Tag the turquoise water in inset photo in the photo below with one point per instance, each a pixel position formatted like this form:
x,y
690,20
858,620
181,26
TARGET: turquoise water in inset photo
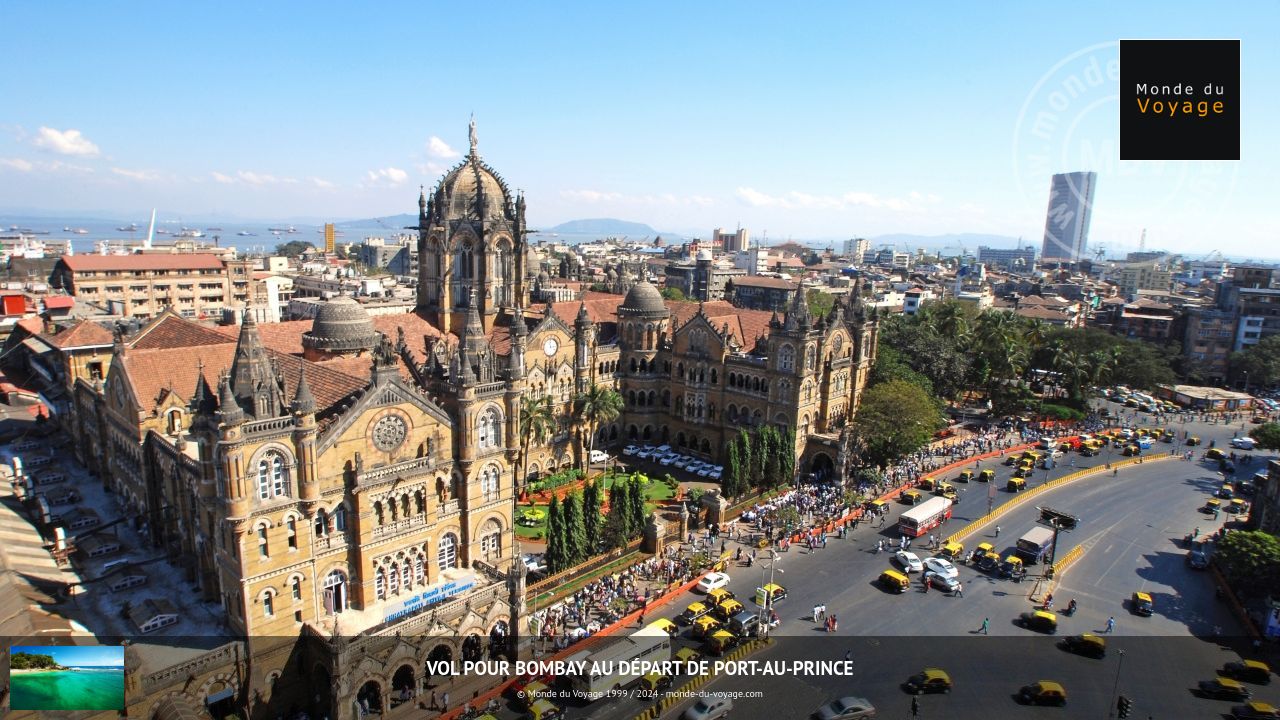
x,y
93,688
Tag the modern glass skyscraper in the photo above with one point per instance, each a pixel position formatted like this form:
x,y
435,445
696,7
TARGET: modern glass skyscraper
x,y
1066,226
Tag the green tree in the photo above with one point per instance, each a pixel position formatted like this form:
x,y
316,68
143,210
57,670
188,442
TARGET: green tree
x,y
1250,561
820,303
1267,435
635,508
537,423
746,456
773,456
617,525
1258,363
598,405
575,529
557,557
787,457
889,365
731,478
673,293
293,248
591,517
894,420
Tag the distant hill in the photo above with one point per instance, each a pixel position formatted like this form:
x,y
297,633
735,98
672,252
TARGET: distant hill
x,y
602,226
394,221
970,241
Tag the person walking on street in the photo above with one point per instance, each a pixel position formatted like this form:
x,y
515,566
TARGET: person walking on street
x,y
959,590
816,610
997,531
1111,625
986,626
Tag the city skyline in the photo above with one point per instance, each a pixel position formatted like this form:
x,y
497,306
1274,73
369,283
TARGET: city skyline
x,y
839,122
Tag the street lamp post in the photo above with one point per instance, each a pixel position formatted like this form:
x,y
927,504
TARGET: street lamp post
x,y
1115,689
767,605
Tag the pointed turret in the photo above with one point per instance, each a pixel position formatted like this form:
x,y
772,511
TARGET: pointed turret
x,y
798,317
203,399
254,379
304,403
229,410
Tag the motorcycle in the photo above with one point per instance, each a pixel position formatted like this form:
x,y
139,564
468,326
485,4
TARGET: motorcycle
x,y
1071,609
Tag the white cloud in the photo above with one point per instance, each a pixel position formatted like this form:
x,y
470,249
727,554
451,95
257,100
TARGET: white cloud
x,y
796,200
65,142
438,148
431,169
390,175
322,184
224,179
136,174
259,179
590,196
617,198
16,164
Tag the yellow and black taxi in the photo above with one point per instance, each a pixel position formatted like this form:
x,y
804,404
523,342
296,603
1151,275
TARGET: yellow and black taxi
x,y
929,680
1167,436
964,476
987,475
1214,454
717,596
894,581
951,550
1039,621
1023,471
703,626
1086,644
1255,711
1224,491
1012,460
1221,688
721,642
1211,506
1142,604
544,710
695,611
1252,671
911,497
1193,441
728,609
1237,506
666,626
926,484
770,594
1045,692
1131,450
989,561
948,491
1016,483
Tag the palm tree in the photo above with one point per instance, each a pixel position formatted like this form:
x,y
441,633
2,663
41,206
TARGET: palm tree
x,y
537,423
949,319
597,405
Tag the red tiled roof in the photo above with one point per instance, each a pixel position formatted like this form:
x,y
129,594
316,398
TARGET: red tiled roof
x,y
33,325
150,261
83,334
744,325
169,330
59,302
1040,312
601,308
285,337
762,281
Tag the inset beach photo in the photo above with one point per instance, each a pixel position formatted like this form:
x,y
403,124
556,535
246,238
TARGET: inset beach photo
x,y
69,677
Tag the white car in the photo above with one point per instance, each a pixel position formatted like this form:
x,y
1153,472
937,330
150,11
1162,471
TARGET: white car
x,y
695,466
941,566
1243,443
599,456
668,459
644,454
680,461
630,450
846,708
664,449
715,474
909,561
706,471
713,581
709,708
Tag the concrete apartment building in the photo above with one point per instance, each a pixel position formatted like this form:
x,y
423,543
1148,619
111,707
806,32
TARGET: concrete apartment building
x,y
1066,225
143,285
761,292
731,242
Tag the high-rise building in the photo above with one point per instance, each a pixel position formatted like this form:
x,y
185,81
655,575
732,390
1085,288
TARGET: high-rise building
x,y
731,242
1020,258
1066,225
856,248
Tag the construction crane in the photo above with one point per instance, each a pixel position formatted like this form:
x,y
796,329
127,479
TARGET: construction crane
x,y
1100,253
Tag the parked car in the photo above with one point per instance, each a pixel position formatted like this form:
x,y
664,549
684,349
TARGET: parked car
x,y
709,708
909,561
1224,689
630,450
846,708
599,456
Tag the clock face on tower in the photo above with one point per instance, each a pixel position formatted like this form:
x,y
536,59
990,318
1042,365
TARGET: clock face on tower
x,y
550,346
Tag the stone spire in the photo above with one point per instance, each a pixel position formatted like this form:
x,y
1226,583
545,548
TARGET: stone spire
x,y
304,403
798,317
254,380
229,411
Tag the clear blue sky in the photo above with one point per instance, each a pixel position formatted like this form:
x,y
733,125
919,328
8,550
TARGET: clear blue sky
x,y
78,655
801,120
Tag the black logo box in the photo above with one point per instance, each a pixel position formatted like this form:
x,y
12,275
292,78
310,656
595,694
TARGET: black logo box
x,y
1154,124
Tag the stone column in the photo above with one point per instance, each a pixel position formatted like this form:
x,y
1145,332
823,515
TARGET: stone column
x,y
654,533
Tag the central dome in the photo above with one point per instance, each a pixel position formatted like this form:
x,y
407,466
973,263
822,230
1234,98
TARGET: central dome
x,y
644,297
341,326
460,187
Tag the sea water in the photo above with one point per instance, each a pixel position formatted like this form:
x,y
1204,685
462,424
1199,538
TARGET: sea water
x,y
93,688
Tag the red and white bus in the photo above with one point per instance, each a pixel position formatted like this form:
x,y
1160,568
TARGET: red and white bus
x,y
924,517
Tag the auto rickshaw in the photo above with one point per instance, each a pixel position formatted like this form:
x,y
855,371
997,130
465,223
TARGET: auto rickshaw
x,y
1214,454
1132,450
1012,567
1254,671
926,484
770,594
987,475
717,596
876,507
1225,491
947,491
728,609
912,497
544,710
1015,485
1142,604
1167,436
1012,460
1087,644
695,611
654,682
1023,472
721,641
1212,506
703,626
1193,441
1238,507
666,626
952,550
989,562
964,476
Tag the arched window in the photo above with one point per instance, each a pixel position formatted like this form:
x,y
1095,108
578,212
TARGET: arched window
x,y
380,584
489,483
786,358
810,357
296,586
335,591
291,531
263,549
340,518
322,523
491,540
489,429
418,570
175,421
447,553
273,481
406,573
393,579
713,376
269,603
466,268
